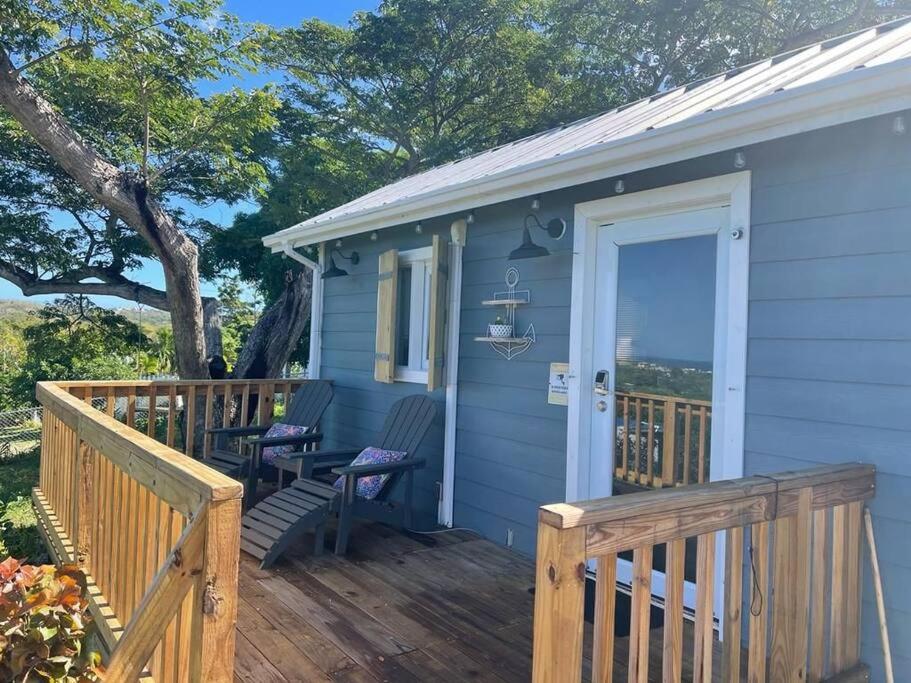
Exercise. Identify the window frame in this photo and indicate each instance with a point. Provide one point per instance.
(419, 263)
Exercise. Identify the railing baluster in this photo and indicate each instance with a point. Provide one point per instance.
(152, 416)
(624, 447)
(172, 415)
(637, 444)
(669, 448)
(650, 445)
(733, 604)
(673, 611)
(189, 428)
(640, 614)
(605, 606)
(818, 586)
(687, 441)
(703, 441)
(759, 602)
(210, 408)
(703, 628)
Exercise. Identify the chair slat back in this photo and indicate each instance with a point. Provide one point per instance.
(404, 429)
(407, 423)
(309, 403)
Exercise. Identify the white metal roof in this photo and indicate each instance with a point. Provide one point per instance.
(835, 81)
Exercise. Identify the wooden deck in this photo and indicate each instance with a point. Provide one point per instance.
(447, 607)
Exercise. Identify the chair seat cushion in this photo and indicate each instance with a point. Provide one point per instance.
(281, 429)
(369, 487)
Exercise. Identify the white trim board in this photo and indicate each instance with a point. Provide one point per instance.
(847, 97)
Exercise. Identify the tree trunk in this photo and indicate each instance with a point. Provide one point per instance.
(125, 195)
(272, 340)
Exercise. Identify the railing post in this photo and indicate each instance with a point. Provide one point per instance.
(212, 638)
(669, 445)
(559, 605)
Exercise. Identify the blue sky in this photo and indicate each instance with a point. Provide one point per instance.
(276, 13)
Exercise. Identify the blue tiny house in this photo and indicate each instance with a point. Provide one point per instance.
(732, 296)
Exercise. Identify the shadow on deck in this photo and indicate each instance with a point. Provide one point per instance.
(402, 608)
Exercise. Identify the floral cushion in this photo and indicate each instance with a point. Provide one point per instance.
(270, 453)
(370, 487)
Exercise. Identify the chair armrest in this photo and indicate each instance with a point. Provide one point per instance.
(238, 431)
(381, 468)
(317, 455)
(285, 440)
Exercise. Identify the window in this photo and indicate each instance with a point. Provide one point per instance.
(411, 296)
(413, 315)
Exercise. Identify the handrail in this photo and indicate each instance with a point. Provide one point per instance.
(798, 534)
(156, 532)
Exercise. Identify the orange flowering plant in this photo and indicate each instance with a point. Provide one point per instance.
(43, 620)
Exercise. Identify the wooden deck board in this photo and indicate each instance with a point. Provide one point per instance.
(447, 607)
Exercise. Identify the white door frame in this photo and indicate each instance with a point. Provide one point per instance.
(728, 398)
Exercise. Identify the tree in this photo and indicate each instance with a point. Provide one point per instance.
(421, 82)
(106, 126)
(624, 50)
(72, 339)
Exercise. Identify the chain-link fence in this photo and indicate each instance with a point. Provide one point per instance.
(20, 431)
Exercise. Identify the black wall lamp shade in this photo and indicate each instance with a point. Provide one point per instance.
(556, 228)
(333, 270)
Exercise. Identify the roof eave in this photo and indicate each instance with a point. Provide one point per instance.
(844, 98)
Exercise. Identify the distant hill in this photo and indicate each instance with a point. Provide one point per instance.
(18, 309)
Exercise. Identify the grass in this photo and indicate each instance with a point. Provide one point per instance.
(18, 532)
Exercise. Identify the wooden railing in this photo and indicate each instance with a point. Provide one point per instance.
(184, 407)
(796, 537)
(157, 533)
(662, 440)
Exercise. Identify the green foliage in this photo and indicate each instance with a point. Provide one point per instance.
(43, 621)
(74, 339)
(665, 380)
(18, 531)
(620, 51)
(238, 316)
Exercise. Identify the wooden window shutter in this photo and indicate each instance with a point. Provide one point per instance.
(387, 292)
(439, 281)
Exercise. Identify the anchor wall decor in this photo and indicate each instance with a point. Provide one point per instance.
(502, 336)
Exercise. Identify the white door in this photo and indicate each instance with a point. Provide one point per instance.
(658, 359)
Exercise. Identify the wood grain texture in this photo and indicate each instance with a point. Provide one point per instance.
(559, 605)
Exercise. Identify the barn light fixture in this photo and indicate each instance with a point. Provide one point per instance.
(418, 228)
(555, 228)
(374, 236)
(620, 186)
(898, 125)
(536, 203)
(470, 217)
(333, 270)
(740, 159)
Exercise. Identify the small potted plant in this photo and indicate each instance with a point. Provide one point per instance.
(499, 328)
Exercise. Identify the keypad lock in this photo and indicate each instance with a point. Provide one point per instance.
(602, 381)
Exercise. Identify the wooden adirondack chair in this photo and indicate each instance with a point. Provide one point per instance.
(269, 528)
(307, 407)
